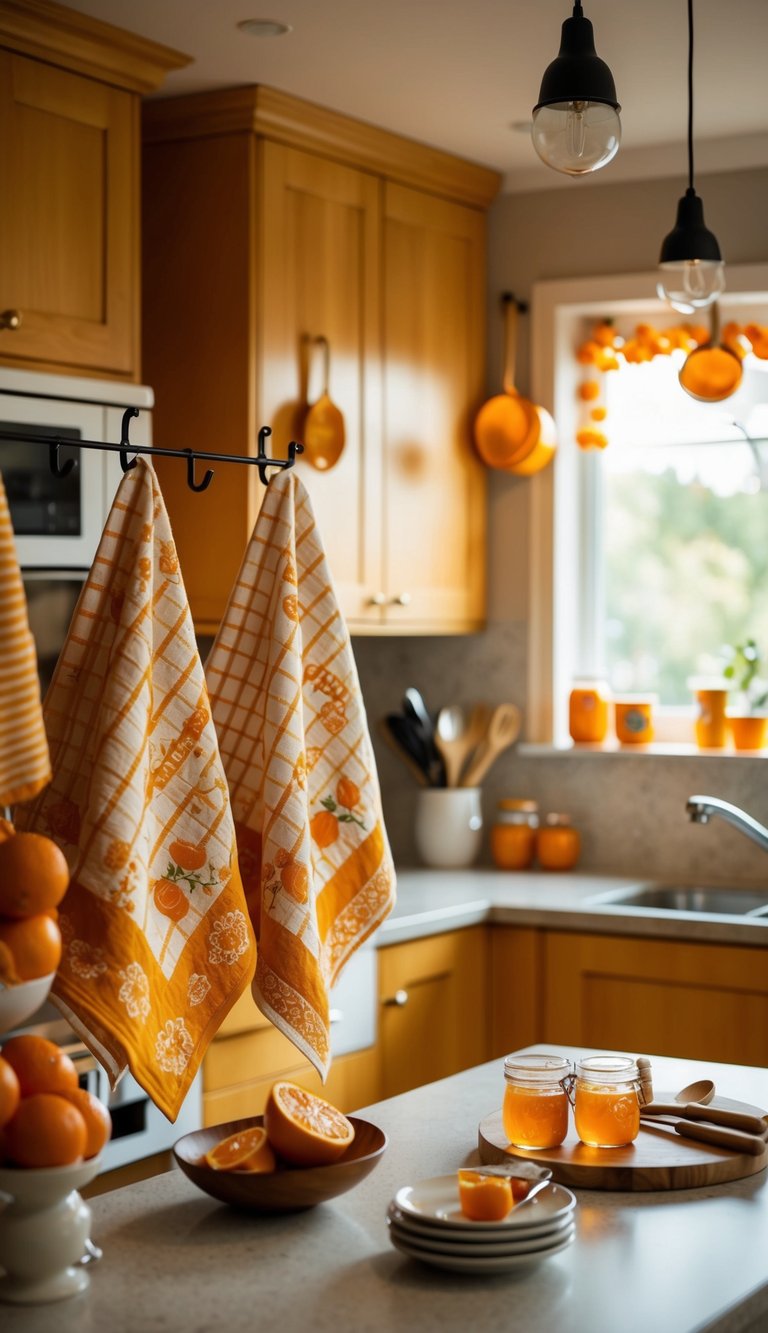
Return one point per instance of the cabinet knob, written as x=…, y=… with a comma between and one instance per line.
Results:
x=10, y=319
x=377, y=599
x=399, y=999
x=402, y=599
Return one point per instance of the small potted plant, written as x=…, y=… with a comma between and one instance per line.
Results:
x=748, y=717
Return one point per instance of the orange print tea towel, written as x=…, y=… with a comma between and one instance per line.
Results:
x=24, y=762
x=286, y=701
x=157, y=943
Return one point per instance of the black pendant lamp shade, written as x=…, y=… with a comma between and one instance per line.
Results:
x=691, y=268
x=576, y=125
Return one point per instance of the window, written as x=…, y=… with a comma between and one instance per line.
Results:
x=651, y=554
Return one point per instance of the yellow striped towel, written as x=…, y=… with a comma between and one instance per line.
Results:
x=157, y=943
x=286, y=701
x=24, y=762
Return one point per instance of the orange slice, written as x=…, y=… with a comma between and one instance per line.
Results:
x=248, y=1150
x=303, y=1128
x=488, y=1198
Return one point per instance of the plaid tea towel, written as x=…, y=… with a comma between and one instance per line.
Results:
x=314, y=856
x=157, y=942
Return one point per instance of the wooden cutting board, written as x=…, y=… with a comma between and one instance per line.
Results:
x=659, y=1159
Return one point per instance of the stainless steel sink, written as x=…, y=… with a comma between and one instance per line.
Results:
x=673, y=898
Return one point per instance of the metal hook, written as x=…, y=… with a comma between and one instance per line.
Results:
x=192, y=484
x=127, y=463
x=508, y=298
x=58, y=468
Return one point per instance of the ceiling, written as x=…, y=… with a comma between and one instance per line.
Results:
x=463, y=75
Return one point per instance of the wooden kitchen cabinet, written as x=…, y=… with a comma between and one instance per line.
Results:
x=672, y=997
x=299, y=224
x=516, y=972
x=69, y=163
x=433, y=1015
x=249, y=1053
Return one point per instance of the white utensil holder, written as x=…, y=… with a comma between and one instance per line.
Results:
x=449, y=826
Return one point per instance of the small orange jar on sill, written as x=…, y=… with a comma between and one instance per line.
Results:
x=513, y=834
x=588, y=711
x=634, y=719
x=558, y=843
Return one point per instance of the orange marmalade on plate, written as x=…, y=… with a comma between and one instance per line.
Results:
x=535, y=1110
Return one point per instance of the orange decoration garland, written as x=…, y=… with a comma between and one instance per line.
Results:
x=605, y=350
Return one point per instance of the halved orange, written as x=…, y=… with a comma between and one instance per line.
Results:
x=247, y=1150
x=303, y=1128
x=485, y=1198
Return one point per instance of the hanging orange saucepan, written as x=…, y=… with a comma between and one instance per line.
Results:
x=712, y=371
x=507, y=426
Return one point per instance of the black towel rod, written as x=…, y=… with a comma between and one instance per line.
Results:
x=59, y=469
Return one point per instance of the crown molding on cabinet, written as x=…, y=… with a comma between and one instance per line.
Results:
x=290, y=120
x=60, y=36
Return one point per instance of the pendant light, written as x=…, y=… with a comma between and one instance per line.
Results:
x=691, y=268
x=576, y=125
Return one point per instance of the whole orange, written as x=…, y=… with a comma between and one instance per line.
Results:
x=33, y=875
x=46, y=1130
x=34, y=943
x=98, y=1121
x=39, y=1065
x=10, y=1092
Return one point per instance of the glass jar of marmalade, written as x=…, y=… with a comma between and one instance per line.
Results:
x=513, y=834
x=558, y=843
x=606, y=1101
x=535, y=1110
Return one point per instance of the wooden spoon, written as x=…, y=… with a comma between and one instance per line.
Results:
x=753, y=1144
x=457, y=735
x=324, y=433
x=702, y=1092
x=502, y=731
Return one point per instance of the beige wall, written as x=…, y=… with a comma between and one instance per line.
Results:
x=631, y=810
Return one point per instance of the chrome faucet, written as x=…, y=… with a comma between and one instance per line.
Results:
x=702, y=808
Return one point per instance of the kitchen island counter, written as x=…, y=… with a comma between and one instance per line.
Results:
x=680, y=1261
x=429, y=901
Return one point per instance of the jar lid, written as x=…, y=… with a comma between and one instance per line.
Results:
x=607, y=1068
x=538, y=1068
x=558, y=821
x=529, y=807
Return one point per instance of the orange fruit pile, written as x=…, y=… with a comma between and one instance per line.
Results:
x=300, y=1129
x=34, y=876
x=46, y=1119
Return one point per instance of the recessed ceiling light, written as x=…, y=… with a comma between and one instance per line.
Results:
x=264, y=28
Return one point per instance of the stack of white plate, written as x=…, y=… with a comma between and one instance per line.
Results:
x=426, y=1222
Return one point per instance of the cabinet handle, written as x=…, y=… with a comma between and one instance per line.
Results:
x=10, y=319
x=377, y=599
x=399, y=999
x=402, y=599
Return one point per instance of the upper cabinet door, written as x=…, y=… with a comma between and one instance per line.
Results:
x=320, y=268
x=69, y=221
x=434, y=483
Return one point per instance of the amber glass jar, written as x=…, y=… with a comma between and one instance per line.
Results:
x=513, y=834
x=535, y=1110
x=558, y=843
x=588, y=711
x=606, y=1106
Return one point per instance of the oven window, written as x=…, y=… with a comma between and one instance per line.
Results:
x=41, y=504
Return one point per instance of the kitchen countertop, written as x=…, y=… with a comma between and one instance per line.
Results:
x=429, y=901
x=681, y=1261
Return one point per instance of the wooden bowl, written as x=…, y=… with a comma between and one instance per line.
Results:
x=287, y=1189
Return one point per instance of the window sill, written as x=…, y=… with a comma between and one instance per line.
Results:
x=660, y=749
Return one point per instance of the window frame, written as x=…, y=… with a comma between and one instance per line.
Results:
x=564, y=555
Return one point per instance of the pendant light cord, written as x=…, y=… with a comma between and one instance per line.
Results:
x=690, y=98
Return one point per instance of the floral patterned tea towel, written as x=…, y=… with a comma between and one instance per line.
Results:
x=24, y=762
x=157, y=942
x=286, y=701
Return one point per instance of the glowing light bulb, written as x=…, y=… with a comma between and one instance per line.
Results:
x=576, y=137
x=691, y=284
